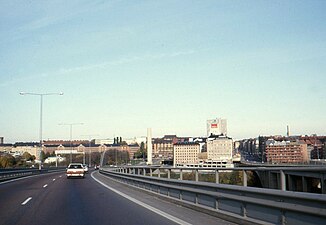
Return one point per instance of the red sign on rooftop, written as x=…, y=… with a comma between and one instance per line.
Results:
x=214, y=125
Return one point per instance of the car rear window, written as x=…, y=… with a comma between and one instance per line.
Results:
x=77, y=166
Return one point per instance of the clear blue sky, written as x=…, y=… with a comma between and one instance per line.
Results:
x=125, y=66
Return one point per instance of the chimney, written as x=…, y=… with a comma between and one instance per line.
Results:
x=287, y=131
x=149, y=146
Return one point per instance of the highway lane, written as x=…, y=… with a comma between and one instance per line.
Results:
x=53, y=199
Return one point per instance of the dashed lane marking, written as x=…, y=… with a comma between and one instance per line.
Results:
x=45, y=185
x=27, y=200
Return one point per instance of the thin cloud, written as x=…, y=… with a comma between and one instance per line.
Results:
x=103, y=65
x=53, y=19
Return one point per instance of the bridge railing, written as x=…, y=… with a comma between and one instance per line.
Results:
x=282, y=178
x=240, y=204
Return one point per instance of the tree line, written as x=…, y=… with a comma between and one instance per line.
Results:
x=9, y=161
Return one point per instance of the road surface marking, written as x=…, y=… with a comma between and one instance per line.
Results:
x=45, y=185
x=27, y=200
x=53, y=179
x=155, y=210
x=60, y=176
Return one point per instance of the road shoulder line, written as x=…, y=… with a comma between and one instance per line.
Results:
x=155, y=210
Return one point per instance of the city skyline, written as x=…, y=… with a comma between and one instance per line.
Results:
x=126, y=66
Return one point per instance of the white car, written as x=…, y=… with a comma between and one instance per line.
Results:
x=75, y=170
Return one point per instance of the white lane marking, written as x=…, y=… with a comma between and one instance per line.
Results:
x=27, y=200
x=60, y=176
x=45, y=185
x=53, y=179
x=155, y=210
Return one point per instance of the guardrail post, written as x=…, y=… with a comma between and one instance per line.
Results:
x=290, y=183
x=283, y=218
x=217, y=177
x=283, y=180
x=138, y=171
x=151, y=172
x=244, y=210
x=144, y=171
x=169, y=173
x=304, y=184
x=159, y=173
x=181, y=177
x=245, y=178
x=323, y=184
x=196, y=175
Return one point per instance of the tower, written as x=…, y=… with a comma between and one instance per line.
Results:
x=149, y=146
x=287, y=131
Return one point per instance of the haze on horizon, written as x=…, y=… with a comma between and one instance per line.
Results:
x=125, y=66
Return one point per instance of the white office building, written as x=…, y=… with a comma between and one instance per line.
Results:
x=216, y=126
x=219, y=149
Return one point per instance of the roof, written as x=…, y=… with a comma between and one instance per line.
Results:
x=186, y=143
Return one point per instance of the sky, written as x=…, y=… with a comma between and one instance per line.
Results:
x=125, y=66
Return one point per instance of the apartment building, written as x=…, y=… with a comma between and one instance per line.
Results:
x=163, y=147
x=185, y=153
x=219, y=148
x=286, y=152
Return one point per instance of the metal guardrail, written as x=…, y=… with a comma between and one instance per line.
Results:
x=9, y=174
x=278, y=177
x=239, y=204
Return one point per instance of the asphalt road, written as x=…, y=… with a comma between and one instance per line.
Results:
x=52, y=199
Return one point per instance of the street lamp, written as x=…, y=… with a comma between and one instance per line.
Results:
x=70, y=124
x=89, y=148
x=41, y=116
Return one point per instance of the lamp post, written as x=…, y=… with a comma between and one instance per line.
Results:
x=41, y=117
x=89, y=148
x=71, y=125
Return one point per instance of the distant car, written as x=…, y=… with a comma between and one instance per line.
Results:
x=85, y=168
x=75, y=170
x=96, y=167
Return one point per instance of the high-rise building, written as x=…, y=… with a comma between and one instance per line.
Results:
x=216, y=126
